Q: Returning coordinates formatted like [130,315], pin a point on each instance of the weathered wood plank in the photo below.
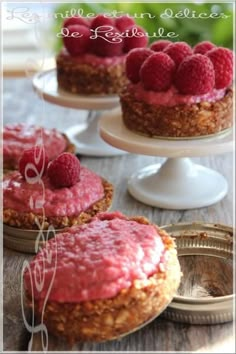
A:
[14,332]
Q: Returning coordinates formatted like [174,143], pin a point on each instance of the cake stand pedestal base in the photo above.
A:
[178,184]
[88,141]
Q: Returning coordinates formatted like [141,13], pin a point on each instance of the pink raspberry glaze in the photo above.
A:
[172,97]
[92,59]
[17,194]
[97,260]
[19,137]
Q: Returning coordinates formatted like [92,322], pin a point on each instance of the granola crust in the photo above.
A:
[30,220]
[193,120]
[101,320]
[10,164]
[69,146]
[87,79]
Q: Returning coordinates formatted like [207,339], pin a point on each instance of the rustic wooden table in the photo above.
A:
[21,104]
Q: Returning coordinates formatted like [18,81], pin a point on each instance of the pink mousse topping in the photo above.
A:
[92,59]
[97,260]
[19,137]
[172,97]
[18,194]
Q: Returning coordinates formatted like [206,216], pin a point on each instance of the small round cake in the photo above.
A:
[92,60]
[19,137]
[66,194]
[107,278]
[177,91]
[90,74]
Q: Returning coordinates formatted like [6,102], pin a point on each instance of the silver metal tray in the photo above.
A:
[23,240]
[205,252]
[21,245]
[26,234]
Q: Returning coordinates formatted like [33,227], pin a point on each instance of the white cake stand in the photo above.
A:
[87,142]
[178,183]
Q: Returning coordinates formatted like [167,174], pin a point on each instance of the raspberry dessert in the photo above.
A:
[19,137]
[177,91]
[33,162]
[92,60]
[203,47]
[60,193]
[111,275]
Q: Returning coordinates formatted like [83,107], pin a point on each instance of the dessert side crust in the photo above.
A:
[87,79]
[69,146]
[30,220]
[12,164]
[107,319]
[197,119]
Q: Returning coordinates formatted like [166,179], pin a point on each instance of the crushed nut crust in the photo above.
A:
[193,120]
[69,146]
[87,79]
[29,220]
[100,320]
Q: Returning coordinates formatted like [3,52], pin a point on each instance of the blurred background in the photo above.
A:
[217,30]
[29,29]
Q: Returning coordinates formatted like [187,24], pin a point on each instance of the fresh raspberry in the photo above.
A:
[134,61]
[222,60]
[107,46]
[64,171]
[101,20]
[157,72]
[33,162]
[178,51]
[195,75]
[159,45]
[124,22]
[75,20]
[136,38]
[77,45]
[203,47]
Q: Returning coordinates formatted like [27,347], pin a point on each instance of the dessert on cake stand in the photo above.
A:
[87,141]
[178,183]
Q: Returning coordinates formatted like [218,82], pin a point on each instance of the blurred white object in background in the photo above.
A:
[24,38]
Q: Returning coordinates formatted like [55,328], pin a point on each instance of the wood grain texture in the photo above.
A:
[161,335]
[206,276]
